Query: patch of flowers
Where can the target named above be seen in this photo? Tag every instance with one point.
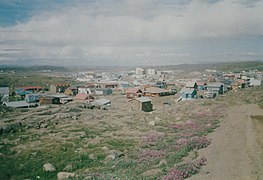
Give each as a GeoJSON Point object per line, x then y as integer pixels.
{"type": "Point", "coordinates": [148, 154]}
{"type": "Point", "coordinates": [192, 143]}
{"type": "Point", "coordinates": [152, 138]}
{"type": "Point", "coordinates": [185, 170]}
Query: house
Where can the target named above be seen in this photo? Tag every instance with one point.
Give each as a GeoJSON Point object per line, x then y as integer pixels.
{"type": "Point", "coordinates": [216, 87]}
{"type": "Point", "coordinates": [102, 91]}
{"type": "Point", "coordinates": [160, 84]}
{"type": "Point", "coordinates": [71, 91]}
{"type": "Point", "coordinates": [84, 90]}
{"type": "Point", "coordinates": [102, 103]}
{"type": "Point", "coordinates": [109, 85]}
{"type": "Point", "coordinates": [239, 83]}
{"type": "Point", "coordinates": [58, 88]}
{"type": "Point", "coordinates": [201, 85]}
{"type": "Point", "coordinates": [4, 91]}
{"type": "Point", "coordinates": [22, 92]}
{"type": "Point", "coordinates": [32, 89]}
{"type": "Point", "coordinates": [133, 92]}
{"type": "Point", "coordinates": [191, 84]}
{"type": "Point", "coordinates": [30, 98]}
{"type": "Point", "coordinates": [19, 104]}
{"type": "Point", "coordinates": [84, 97]}
{"type": "Point", "coordinates": [155, 91]}
{"type": "Point", "coordinates": [142, 104]}
{"type": "Point", "coordinates": [55, 99]}
{"type": "Point", "coordinates": [255, 82]}
{"type": "Point", "coordinates": [188, 93]}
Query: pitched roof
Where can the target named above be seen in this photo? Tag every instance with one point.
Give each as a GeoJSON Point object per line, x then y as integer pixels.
{"type": "Point", "coordinates": [190, 84]}
{"type": "Point", "coordinates": [156, 90]}
{"type": "Point", "coordinates": [16, 104]}
{"type": "Point", "coordinates": [133, 90]}
{"type": "Point", "coordinates": [31, 87]}
{"type": "Point", "coordinates": [187, 90]}
{"type": "Point", "coordinates": [82, 96]}
{"type": "Point", "coordinates": [214, 85]}
{"type": "Point", "coordinates": [102, 101]}
{"type": "Point", "coordinates": [199, 83]}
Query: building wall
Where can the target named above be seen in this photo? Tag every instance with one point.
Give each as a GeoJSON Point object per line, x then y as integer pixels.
{"type": "Point", "coordinates": [147, 106]}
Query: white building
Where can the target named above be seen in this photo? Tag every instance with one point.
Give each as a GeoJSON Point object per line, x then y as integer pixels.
{"type": "Point", "coordinates": [139, 71]}
{"type": "Point", "coordinates": [151, 72]}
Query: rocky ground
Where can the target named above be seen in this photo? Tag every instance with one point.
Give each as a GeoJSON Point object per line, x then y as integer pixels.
{"type": "Point", "coordinates": [51, 142]}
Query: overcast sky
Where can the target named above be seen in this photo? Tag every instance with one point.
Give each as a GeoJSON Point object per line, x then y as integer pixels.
{"type": "Point", "coordinates": [129, 32]}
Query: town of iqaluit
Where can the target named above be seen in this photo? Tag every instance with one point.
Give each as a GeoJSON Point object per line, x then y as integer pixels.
{"type": "Point", "coordinates": [131, 89]}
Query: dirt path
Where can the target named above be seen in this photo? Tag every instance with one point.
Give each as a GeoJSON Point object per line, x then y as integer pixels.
{"type": "Point", "coordinates": [236, 149]}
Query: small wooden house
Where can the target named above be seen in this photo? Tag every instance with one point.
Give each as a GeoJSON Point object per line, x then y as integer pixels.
{"type": "Point", "coordinates": [59, 88]}
{"type": "Point", "coordinates": [54, 99]}
{"type": "Point", "coordinates": [201, 85]}
{"type": "Point", "coordinates": [102, 91]}
{"type": "Point", "coordinates": [188, 93]}
{"type": "Point", "coordinates": [216, 87]}
{"type": "Point", "coordinates": [71, 91]}
{"type": "Point", "coordinates": [154, 91]}
{"type": "Point", "coordinates": [133, 93]}
{"type": "Point", "coordinates": [142, 104]}
{"type": "Point", "coordinates": [84, 97]}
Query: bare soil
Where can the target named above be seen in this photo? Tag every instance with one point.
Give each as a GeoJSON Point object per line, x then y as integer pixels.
{"type": "Point", "coordinates": [236, 149]}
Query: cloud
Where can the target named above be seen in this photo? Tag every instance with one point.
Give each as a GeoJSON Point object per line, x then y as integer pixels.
{"type": "Point", "coordinates": [114, 31]}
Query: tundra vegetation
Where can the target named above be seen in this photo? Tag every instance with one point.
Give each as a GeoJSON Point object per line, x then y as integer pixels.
{"type": "Point", "coordinates": [118, 143]}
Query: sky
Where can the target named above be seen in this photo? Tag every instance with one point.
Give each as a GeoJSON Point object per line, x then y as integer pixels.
{"type": "Point", "coordinates": [129, 32]}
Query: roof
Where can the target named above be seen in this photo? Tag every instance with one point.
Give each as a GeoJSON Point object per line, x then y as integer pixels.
{"type": "Point", "coordinates": [16, 104]}
{"type": "Point", "coordinates": [156, 90]}
{"type": "Point", "coordinates": [200, 83]}
{"type": "Point", "coordinates": [58, 95]}
{"type": "Point", "coordinates": [61, 84]}
{"type": "Point", "coordinates": [143, 99]}
{"type": "Point", "coordinates": [214, 85]}
{"type": "Point", "coordinates": [82, 96]}
{"type": "Point", "coordinates": [31, 87]}
{"type": "Point", "coordinates": [133, 90]}
{"type": "Point", "coordinates": [4, 90]}
{"type": "Point", "coordinates": [187, 90]}
{"type": "Point", "coordinates": [102, 101]}
{"type": "Point", "coordinates": [190, 84]}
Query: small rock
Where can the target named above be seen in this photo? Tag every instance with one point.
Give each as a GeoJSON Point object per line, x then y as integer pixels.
{"type": "Point", "coordinates": [65, 175]}
{"type": "Point", "coordinates": [92, 156]}
{"type": "Point", "coordinates": [117, 153]}
{"type": "Point", "coordinates": [110, 157]}
{"type": "Point", "coordinates": [43, 125]}
{"type": "Point", "coordinates": [157, 119]}
{"type": "Point", "coordinates": [74, 117]}
{"type": "Point", "coordinates": [68, 168]}
{"type": "Point", "coordinates": [152, 172]}
{"type": "Point", "coordinates": [152, 123]}
{"type": "Point", "coordinates": [49, 167]}
{"type": "Point", "coordinates": [162, 162]}
{"type": "Point", "coordinates": [104, 148]}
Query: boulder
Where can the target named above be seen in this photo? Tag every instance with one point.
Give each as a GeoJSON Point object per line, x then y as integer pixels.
{"type": "Point", "coordinates": [49, 167]}
{"type": "Point", "coordinates": [152, 123]}
{"type": "Point", "coordinates": [65, 175]}
{"type": "Point", "coordinates": [104, 148]}
{"type": "Point", "coordinates": [110, 157]}
{"type": "Point", "coordinates": [92, 156]}
{"type": "Point", "coordinates": [152, 172]}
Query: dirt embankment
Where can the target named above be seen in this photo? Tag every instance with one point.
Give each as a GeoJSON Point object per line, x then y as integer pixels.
{"type": "Point", "coordinates": [237, 146]}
